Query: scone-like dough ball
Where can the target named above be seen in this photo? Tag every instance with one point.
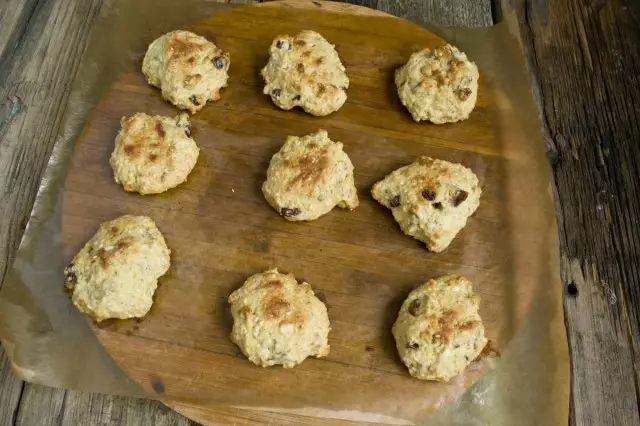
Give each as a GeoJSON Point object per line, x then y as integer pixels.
{"type": "Point", "coordinates": [153, 154]}
{"type": "Point", "coordinates": [430, 199]}
{"type": "Point", "coordinates": [305, 71]}
{"type": "Point", "coordinates": [116, 273]}
{"type": "Point", "coordinates": [308, 177]}
{"type": "Point", "coordinates": [278, 321]}
{"type": "Point", "coordinates": [188, 68]}
{"type": "Point", "coordinates": [439, 331]}
{"type": "Point", "coordinates": [439, 85]}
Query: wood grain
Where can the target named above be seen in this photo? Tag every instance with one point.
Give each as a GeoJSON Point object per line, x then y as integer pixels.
{"type": "Point", "coordinates": [585, 60]}
{"type": "Point", "coordinates": [31, 104]}
{"type": "Point", "coordinates": [10, 389]}
{"type": "Point", "coordinates": [41, 43]}
{"type": "Point", "coordinates": [468, 14]}
{"type": "Point", "coordinates": [221, 230]}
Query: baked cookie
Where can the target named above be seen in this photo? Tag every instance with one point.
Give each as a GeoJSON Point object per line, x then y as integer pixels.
{"type": "Point", "coordinates": [439, 331]}
{"type": "Point", "coordinates": [305, 71]}
{"type": "Point", "coordinates": [308, 177]}
{"type": "Point", "coordinates": [278, 321]}
{"type": "Point", "coordinates": [116, 273]}
{"type": "Point", "coordinates": [439, 85]}
{"type": "Point", "coordinates": [153, 154]}
{"type": "Point", "coordinates": [430, 199]}
{"type": "Point", "coordinates": [188, 68]}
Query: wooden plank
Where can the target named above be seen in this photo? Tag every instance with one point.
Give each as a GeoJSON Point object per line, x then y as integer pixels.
{"type": "Point", "coordinates": [40, 46]}
{"type": "Point", "coordinates": [474, 13]}
{"type": "Point", "coordinates": [14, 16]}
{"type": "Point", "coordinates": [36, 72]}
{"type": "Point", "coordinates": [83, 408]}
{"type": "Point", "coordinates": [584, 59]}
{"type": "Point", "coordinates": [10, 389]}
{"type": "Point", "coordinates": [41, 406]}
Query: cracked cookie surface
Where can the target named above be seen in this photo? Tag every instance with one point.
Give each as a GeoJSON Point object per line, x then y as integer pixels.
{"type": "Point", "coordinates": [153, 154]}
{"type": "Point", "coordinates": [308, 177]}
{"type": "Point", "coordinates": [116, 273]}
{"type": "Point", "coordinates": [430, 199]}
{"type": "Point", "coordinates": [305, 71]}
{"type": "Point", "coordinates": [188, 69]}
{"type": "Point", "coordinates": [278, 321]}
{"type": "Point", "coordinates": [439, 332]}
{"type": "Point", "coordinates": [439, 85]}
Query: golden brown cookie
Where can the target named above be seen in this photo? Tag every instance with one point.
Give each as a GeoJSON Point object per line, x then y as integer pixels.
{"type": "Point", "coordinates": [430, 199]}
{"type": "Point", "coordinates": [153, 154]}
{"type": "Point", "coordinates": [305, 71]}
{"type": "Point", "coordinates": [308, 177]}
{"type": "Point", "coordinates": [439, 85]}
{"type": "Point", "coordinates": [188, 68]}
{"type": "Point", "coordinates": [278, 321]}
{"type": "Point", "coordinates": [439, 331]}
{"type": "Point", "coordinates": [116, 273]}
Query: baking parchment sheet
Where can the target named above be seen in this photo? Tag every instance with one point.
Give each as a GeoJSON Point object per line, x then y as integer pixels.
{"type": "Point", "coordinates": [50, 343]}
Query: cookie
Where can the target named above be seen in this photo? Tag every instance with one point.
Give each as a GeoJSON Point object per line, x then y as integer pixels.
{"type": "Point", "coordinates": [308, 177]}
{"type": "Point", "coordinates": [439, 332]}
{"type": "Point", "coordinates": [188, 68]}
{"type": "Point", "coordinates": [153, 154]}
{"type": "Point", "coordinates": [439, 85]}
{"type": "Point", "coordinates": [305, 71]}
{"type": "Point", "coordinates": [277, 321]}
{"type": "Point", "coordinates": [430, 199]}
{"type": "Point", "coordinates": [116, 273]}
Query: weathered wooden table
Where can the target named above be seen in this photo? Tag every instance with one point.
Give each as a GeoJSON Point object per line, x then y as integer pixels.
{"type": "Point", "coordinates": [584, 59]}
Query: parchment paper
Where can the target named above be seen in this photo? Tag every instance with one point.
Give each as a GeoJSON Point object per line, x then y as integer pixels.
{"type": "Point", "coordinates": [49, 342]}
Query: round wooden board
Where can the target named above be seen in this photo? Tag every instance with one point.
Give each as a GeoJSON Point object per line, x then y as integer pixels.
{"type": "Point", "coordinates": [221, 230]}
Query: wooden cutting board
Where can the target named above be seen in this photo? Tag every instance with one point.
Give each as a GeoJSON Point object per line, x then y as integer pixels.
{"type": "Point", "coordinates": [221, 230]}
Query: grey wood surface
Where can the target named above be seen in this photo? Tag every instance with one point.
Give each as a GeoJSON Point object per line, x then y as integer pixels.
{"type": "Point", "coordinates": [584, 58]}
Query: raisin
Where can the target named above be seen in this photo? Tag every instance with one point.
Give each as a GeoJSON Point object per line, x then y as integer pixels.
{"type": "Point", "coordinates": [71, 276]}
{"type": "Point", "coordinates": [187, 132]}
{"type": "Point", "coordinates": [395, 201]}
{"type": "Point", "coordinates": [344, 88]}
{"type": "Point", "coordinates": [219, 62]}
{"type": "Point", "coordinates": [429, 195]}
{"type": "Point", "coordinates": [413, 345]}
{"type": "Point", "coordinates": [414, 307]}
{"type": "Point", "coordinates": [437, 206]}
{"type": "Point", "coordinates": [279, 44]}
{"type": "Point", "coordinates": [463, 93]}
{"type": "Point", "coordinates": [287, 212]}
{"type": "Point", "coordinates": [276, 92]}
{"type": "Point", "coordinates": [296, 97]}
{"type": "Point", "coordinates": [459, 198]}
{"type": "Point", "coordinates": [194, 100]}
